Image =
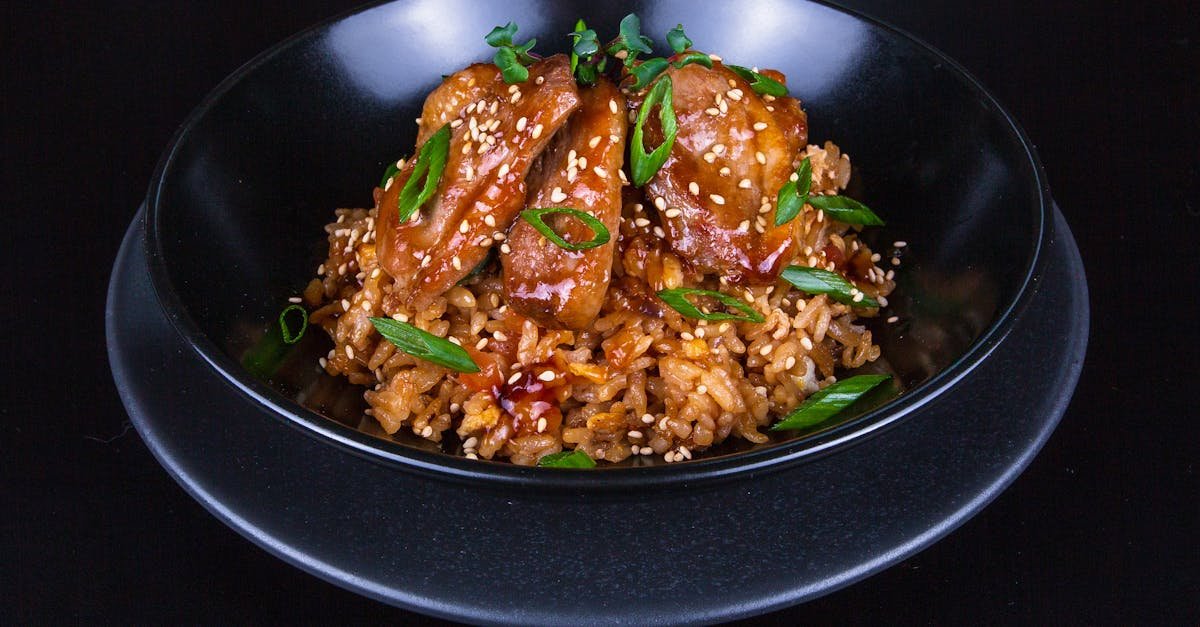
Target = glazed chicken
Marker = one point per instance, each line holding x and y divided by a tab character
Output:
716	193
556	287
498	130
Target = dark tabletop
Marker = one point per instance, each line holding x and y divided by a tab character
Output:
1101	528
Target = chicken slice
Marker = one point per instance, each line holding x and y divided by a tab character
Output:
716	193
498	130
553	286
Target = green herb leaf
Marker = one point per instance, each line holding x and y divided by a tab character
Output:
290	336
819	281
677	299
846	209
510	58
388	173
759	83
630	40
794	194
692	57
424	345
431	161
643	165
824	403
645	72
678	40
600	237
567	459
586	61
501	35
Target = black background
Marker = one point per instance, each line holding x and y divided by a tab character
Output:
1102	527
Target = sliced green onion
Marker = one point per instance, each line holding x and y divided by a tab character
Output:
759	83
600	237
829	401
391	171
431	161
846	209
424	345
678	40
645	72
643	165
567	459
289	336
677	299
794	194
692	57
818	281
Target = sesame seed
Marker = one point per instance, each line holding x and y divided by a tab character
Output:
572	174
463	227
472	456
472	441
890	274
454	340
895	261
899	244
744	226
672	213
648	419
760	126
350	351
893	319
724	106
539	80
427	431
456	262
760	157
537	131
710	157
641	222
669	456
660	203
766	350
481	344
542	424
426	261
718	149
505	248
713	111
659	232
744	183
724	171
790	363
345	305
503	169
702	389
723	328
593	142
714	57
521	124
687	336
700	330
857	297
635	434
547	375
557	195
514	377
694	188
806	343
683	450
456	123
717	198
734	94
612	105
418	120
499	335
388	184
366	305
600	172
295	299
875	258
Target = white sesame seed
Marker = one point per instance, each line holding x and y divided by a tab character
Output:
521	124
456	262
593	142
702	389
723	328
350	351
547	375
295	299
505	248
713	111
463	227
857	297
687	336
760	157
489	220
499	335
875	258
481	344
724	106
612	105
717	198
899	244
513	379
672	213
503	169
537	131
744	183
710	157
718	149
683	450
694	188
600	172
641	222
890	275
345	305
895	261
557	195
470	173
454	340
734	94
539	80
472	456
515	97
427	431
635	434
660	203
472	441
542	424
648	419
760	126
744	226
426	261
766	350
659	232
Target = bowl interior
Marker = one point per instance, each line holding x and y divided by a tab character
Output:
236	213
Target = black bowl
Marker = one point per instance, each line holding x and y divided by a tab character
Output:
236	207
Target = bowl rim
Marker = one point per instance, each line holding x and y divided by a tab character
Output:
720	467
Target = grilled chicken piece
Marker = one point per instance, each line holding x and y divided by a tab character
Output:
555	287
716	193
498	131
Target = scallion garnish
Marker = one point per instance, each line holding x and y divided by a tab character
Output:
645	72
600	237
819	281
677	299
388	173
643	165
290	336
424	345
587	63
678	40
829	401
759	83
794	194
567	459
630	40
846	209
510	58
681	60
431	161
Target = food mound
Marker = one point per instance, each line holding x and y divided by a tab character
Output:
604	255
